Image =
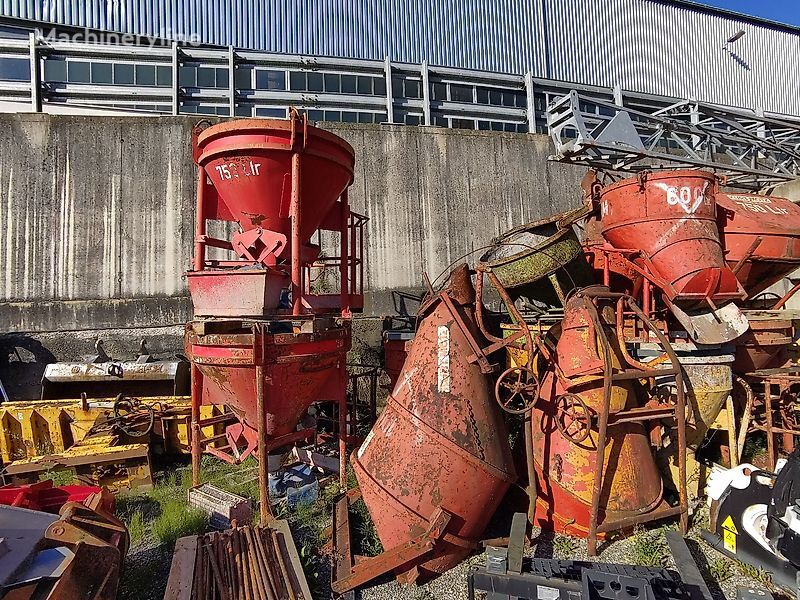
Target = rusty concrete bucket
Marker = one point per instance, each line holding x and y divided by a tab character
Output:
523	257
440	445
670	219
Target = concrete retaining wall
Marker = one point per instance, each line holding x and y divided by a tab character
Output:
96	213
97	225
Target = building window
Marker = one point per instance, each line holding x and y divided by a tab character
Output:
243	110
243	79
102	73
271	80
462	123
297	81
406	88
314	82
145	75
349	84
123	74
268	111
206	77
15	69
438	91
460	93
55	70
78	72
364	85
333	83
163	76
187	77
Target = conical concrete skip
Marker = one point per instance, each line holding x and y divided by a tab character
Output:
440	443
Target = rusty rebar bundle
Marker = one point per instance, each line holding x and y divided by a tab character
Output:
244	563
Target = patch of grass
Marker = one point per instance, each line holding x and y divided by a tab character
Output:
366	535
755	573
755	447
700	518
136	527
564	546
60	477
649	548
720	569
177	520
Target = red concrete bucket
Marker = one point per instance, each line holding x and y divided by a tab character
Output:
249	162
440	444
670	218
761	234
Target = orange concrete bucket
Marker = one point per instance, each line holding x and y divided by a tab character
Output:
669	218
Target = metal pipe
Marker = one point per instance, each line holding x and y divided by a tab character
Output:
479	308
786	297
253	567
533	492
343	425
268	549
344	255
263	562
282	564
733	446
197	383
744	425
297	264
200	216
261	408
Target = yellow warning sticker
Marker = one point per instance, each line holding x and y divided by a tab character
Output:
728	525
729	534
729	541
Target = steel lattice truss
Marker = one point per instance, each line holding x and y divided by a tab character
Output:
752	152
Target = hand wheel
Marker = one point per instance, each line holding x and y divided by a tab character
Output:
517	390
573	418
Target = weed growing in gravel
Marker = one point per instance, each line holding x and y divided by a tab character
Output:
177	520
564	546
756	573
59	477
367	537
136	527
720	569
700	518
649	548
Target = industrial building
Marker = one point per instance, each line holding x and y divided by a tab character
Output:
475	64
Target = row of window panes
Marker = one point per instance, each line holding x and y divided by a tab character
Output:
15	69
346	116
471	94
336	83
74	71
161	108
406	88
203	77
204	109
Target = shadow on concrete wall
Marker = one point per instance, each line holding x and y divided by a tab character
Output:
22	363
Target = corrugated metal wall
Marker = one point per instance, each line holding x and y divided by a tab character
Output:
641	45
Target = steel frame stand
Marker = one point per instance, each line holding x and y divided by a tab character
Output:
351	571
641	415
780	381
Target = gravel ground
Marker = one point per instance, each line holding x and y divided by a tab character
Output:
144	576
453	584
147	565
147	568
